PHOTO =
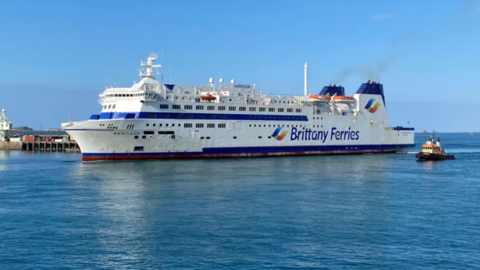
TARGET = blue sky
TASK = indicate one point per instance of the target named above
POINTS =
(57, 56)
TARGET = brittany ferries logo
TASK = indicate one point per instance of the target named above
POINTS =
(370, 108)
(278, 136)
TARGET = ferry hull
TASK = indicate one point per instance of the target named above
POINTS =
(240, 152)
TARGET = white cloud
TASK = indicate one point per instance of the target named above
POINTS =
(381, 17)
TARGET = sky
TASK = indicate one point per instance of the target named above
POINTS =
(56, 57)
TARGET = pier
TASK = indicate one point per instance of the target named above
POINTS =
(39, 146)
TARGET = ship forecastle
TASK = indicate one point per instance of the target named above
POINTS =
(152, 120)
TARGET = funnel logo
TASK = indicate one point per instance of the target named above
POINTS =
(370, 108)
(278, 136)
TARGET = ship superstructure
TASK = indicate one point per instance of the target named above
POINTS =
(156, 120)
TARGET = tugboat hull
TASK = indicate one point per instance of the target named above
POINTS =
(423, 156)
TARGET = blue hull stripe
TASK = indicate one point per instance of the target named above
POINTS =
(271, 149)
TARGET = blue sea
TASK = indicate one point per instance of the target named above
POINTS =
(375, 211)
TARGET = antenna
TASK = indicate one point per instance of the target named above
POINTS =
(305, 86)
(162, 67)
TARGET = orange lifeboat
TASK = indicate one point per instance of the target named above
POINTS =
(319, 97)
(208, 97)
(343, 98)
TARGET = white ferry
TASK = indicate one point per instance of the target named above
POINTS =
(153, 120)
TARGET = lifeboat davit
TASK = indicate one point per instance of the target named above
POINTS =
(208, 97)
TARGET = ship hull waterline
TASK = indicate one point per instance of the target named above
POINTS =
(236, 153)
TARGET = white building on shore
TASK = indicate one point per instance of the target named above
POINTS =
(5, 127)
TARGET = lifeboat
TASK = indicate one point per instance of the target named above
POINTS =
(322, 97)
(208, 97)
(343, 98)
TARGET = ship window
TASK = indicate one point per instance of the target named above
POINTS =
(210, 125)
(211, 108)
(234, 137)
(259, 137)
(271, 109)
(144, 137)
(261, 109)
(147, 125)
(208, 138)
(188, 107)
(113, 107)
(136, 137)
(281, 109)
(242, 109)
(222, 125)
(138, 149)
(201, 138)
(200, 116)
(199, 107)
(154, 124)
(188, 116)
(299, 111)
(221, 108)
(232, 108)
(163, 106)
(166, 125)
(148, 132)
(199, 125)
(187, 125)
(289, 110)
(109, 106)
(105, 106)
(176, 107)
(252, 109)
(211, 116)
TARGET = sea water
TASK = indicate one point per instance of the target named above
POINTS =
(328, 212)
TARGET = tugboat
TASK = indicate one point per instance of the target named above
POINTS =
(432, 150)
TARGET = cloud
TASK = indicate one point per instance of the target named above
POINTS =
(381, 17)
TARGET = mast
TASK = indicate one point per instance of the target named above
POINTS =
(147, 72)
(305, 84)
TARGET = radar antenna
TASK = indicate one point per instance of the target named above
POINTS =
(148, 70)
